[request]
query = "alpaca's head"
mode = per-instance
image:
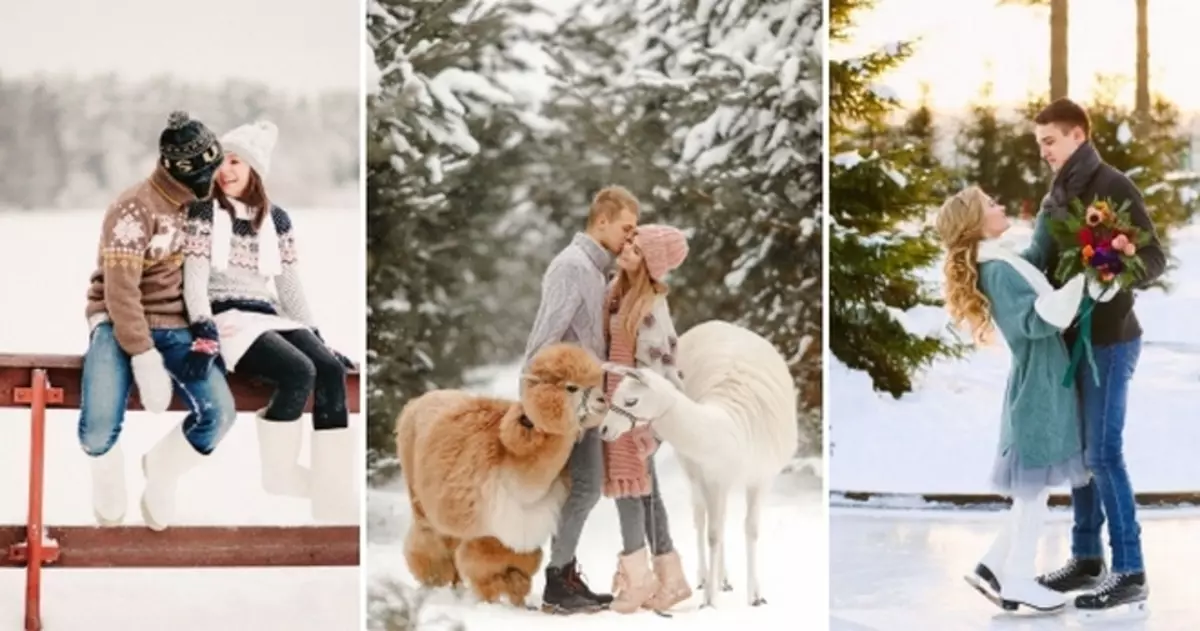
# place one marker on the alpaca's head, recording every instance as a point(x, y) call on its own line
point(640, 398)
point(563, 389)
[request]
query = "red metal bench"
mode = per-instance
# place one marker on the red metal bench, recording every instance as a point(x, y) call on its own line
point(40, 381)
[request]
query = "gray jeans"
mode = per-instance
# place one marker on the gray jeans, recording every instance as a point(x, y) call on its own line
point(586, 466)
point(645, 517)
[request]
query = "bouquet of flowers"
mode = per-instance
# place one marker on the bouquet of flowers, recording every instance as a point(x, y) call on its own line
point(1100, 241)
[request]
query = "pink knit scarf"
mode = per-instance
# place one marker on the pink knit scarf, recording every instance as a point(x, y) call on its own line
point(625, 471)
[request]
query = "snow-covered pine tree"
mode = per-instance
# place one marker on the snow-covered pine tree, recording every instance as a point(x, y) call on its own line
point(710, 113)
point(878, 236)
point(433, 205)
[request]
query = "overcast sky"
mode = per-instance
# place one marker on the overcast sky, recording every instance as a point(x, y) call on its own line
point(302, 46)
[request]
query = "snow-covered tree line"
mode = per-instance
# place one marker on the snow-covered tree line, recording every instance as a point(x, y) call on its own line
point(75, 142)
point(491, 125)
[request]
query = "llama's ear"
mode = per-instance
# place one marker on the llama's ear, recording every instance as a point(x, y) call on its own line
point(528, 378)
point(636, 375)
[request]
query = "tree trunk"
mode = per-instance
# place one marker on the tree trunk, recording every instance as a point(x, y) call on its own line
point(1058, 49)
point(1143, 60)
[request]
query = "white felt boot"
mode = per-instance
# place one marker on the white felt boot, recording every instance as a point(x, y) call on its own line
point(163, 465)
point(335, 476)
point(109, 496)
point(278, 449)
point(1018, 582)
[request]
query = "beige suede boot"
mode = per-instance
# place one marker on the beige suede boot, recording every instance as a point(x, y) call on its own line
point(634, 582)
point(672, 584)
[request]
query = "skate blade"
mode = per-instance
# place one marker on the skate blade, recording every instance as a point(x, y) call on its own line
point(1120, 613)
point(978, 585)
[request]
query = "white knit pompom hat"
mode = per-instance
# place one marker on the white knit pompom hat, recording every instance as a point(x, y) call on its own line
point(253, 143)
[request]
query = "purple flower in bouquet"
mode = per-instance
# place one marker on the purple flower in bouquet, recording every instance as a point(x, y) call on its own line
point(1108, 260)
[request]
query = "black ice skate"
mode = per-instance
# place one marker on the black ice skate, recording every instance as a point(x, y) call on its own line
point(1076, 575)
point(567, 593)
point(1118, 594)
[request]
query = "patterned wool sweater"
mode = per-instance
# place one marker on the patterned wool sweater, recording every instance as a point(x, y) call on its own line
point(240, 285)
point(138, 282)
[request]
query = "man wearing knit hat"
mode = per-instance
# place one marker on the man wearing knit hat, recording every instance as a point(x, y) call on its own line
point(139, 331)
point(571, 310)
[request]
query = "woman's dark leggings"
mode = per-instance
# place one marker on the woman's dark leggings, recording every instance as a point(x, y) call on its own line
point(299, 364)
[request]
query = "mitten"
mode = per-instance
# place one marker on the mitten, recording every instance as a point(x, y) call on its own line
point(346, 362)
point(206, 346)
point(1060, 306)
point(153, 381)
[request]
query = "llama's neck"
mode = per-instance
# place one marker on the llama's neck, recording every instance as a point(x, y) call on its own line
point(695, 430)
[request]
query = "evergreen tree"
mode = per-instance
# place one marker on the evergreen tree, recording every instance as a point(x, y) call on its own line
point(1152, 154)
point(431, 218)
point(1002, 156)
point(878, 241)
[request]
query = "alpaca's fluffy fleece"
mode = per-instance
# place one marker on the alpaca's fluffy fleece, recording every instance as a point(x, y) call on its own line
point(486, 477)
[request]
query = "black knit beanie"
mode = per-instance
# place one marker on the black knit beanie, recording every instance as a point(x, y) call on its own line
point(190, 152)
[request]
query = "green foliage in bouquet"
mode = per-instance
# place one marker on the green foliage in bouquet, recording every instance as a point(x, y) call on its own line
point(1099, 240)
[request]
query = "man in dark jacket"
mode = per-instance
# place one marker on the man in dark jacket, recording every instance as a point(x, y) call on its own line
point(1063, 133)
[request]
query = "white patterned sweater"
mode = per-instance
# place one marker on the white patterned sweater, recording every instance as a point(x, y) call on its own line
point(240, 284)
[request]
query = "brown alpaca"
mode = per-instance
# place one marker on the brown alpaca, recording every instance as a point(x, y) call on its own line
point(486, 477)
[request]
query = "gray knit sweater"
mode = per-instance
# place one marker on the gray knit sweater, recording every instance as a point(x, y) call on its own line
point(572, 307)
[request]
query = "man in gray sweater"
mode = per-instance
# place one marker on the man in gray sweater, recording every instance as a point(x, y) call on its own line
point(572, 310)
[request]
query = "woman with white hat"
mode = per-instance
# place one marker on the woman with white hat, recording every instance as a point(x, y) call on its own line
point(238, 245)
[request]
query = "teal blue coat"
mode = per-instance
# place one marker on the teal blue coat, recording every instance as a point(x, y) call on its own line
point(1041, 416)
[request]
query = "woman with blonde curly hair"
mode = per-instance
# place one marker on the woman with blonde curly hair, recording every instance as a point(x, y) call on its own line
point(989, 287)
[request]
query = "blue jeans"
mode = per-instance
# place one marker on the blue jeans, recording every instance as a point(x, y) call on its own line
point(108, 376)
point(1109, 494)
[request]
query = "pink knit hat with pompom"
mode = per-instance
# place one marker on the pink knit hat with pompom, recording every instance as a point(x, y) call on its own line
point(663, 248)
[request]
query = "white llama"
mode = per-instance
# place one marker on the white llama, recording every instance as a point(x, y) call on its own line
point(733, 426)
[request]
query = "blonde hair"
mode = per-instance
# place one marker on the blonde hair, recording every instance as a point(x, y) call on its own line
point(610, 201)
point(960, 227)
point(636, 293)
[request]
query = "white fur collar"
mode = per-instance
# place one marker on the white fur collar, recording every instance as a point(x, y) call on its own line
point(998, 250)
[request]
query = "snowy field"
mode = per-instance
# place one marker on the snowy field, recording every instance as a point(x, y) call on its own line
point(50, 255)
point(941, 438)
point(792, 558)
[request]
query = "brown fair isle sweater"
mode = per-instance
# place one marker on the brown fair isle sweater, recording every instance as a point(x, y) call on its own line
point(138, 285)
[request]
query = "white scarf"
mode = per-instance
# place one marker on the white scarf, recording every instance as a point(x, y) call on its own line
point(998, 250)
point(270, 264)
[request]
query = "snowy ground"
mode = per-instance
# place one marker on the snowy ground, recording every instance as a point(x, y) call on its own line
point(941, 438)
point(59, 251)
point(894, 570)
point(792, 555)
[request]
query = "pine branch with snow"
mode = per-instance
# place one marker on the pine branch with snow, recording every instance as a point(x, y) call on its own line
point(880, 196)
point(439, 120)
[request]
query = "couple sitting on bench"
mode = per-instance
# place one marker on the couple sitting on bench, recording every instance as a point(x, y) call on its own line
point(182, 294)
